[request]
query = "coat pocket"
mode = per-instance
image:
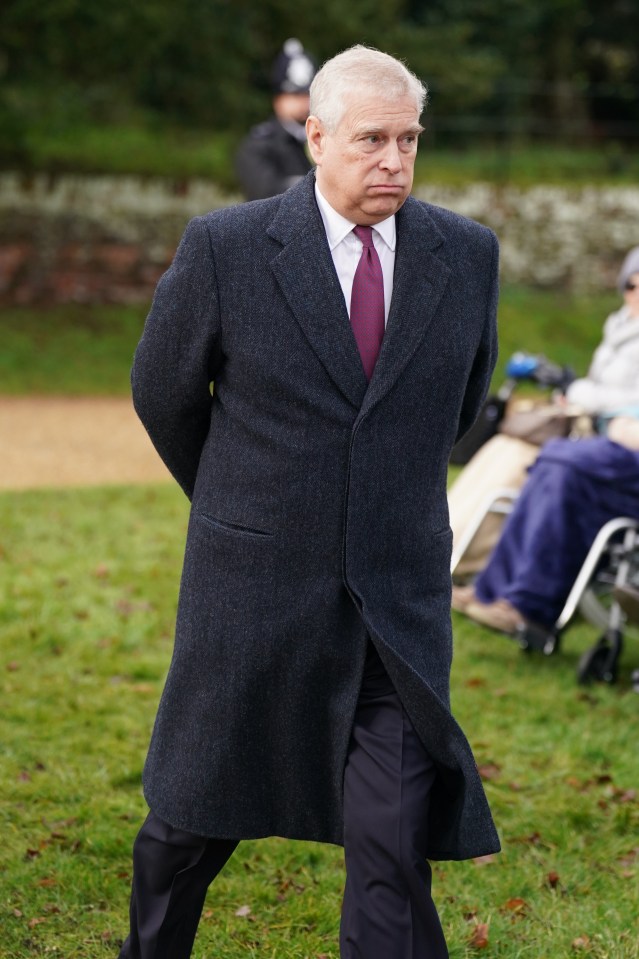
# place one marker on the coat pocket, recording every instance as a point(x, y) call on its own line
point(234, 529)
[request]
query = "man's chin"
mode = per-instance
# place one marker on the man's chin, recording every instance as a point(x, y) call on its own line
point(384, 205)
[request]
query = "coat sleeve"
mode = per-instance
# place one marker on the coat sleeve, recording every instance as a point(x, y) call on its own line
point(178, 356)
point(486, 355)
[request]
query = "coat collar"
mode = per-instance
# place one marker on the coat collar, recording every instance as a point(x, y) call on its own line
point(305, 272)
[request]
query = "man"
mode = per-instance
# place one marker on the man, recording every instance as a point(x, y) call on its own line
point(308, 696)
point(273, 156)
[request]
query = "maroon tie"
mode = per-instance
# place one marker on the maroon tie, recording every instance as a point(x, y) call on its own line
point(367, 301)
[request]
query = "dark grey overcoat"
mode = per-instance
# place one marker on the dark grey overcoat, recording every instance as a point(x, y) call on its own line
point(319, 512)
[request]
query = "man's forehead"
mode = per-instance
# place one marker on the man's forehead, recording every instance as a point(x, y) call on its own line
point(368, 113)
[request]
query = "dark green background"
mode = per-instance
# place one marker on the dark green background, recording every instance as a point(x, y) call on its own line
point(497, 69)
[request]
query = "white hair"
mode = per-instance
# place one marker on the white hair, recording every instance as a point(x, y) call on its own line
point(366, 69)
point(629, 266)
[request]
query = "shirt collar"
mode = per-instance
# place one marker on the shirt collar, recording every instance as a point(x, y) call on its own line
point(338, 227)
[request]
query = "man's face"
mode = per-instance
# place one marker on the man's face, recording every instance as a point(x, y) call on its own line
point(291, 106)
point(365, 168)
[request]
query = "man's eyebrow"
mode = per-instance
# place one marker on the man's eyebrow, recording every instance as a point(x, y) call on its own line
point(367, 131)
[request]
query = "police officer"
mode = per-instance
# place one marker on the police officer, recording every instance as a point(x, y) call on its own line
point(273, 157)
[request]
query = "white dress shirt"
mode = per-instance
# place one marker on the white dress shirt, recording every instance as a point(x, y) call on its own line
point(346, 249)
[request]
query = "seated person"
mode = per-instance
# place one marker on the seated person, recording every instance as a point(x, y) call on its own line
point(613, 378)
point(612, 383)
point(572, 490)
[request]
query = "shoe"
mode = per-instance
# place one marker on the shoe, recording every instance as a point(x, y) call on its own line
point(500, 615)
point(628, 598)
point(461, 597)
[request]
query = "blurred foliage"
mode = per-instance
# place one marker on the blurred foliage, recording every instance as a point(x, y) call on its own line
point(496, 68)
point(180, 154)
point(136, 149)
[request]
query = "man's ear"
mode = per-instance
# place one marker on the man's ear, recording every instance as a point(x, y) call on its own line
point(315, 137)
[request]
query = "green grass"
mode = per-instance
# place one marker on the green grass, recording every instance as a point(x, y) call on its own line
point(88, 585)
point(564, 327)
point(135, 149)
point(147, 148)
point(526, 165)
point(71, 350)
point(77, 350)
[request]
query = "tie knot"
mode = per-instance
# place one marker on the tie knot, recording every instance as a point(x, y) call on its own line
point(365, 234)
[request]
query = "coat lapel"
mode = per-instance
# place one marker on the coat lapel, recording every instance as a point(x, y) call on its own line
point(419, 281)
point(305, 272)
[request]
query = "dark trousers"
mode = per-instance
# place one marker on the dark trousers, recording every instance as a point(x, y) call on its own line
point(387, 912)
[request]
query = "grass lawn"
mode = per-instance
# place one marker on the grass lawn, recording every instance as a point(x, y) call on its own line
point(88, 586)
point(88, 589)
point(78, 350)
point(68, 350)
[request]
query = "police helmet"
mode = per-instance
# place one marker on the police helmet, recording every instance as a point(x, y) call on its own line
point(293, 69)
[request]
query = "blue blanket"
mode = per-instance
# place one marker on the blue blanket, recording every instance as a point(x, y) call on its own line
point(574, 487)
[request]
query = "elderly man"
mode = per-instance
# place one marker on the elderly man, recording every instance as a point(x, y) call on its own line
point(349, 332)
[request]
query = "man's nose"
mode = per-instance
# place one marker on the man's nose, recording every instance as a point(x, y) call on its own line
point(391, 159)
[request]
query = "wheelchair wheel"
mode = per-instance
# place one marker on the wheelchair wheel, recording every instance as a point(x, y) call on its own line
point(597, 599)
point(595, 603)
point(598, 664)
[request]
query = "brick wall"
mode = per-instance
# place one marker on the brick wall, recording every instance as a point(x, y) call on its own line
point(96, 271)
point(92, 239)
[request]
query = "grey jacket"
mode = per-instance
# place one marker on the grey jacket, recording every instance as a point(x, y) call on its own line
point(319, 513)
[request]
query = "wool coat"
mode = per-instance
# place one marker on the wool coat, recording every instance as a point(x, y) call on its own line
point(319, 517)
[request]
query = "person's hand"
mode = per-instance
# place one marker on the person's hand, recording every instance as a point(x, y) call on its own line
point(624, 430)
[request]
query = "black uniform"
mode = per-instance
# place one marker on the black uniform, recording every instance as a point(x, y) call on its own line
point(270, 160)
point(273, 157)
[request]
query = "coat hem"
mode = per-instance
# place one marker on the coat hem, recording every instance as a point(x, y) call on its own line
point(435, 854)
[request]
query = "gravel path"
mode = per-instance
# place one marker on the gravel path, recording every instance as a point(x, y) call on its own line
point(50, 441)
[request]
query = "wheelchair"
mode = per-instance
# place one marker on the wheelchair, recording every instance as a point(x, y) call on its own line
point(520, 368)
point(611, 562)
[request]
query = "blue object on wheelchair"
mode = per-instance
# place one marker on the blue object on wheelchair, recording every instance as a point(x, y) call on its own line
point(538, 369)
point(521, 366)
